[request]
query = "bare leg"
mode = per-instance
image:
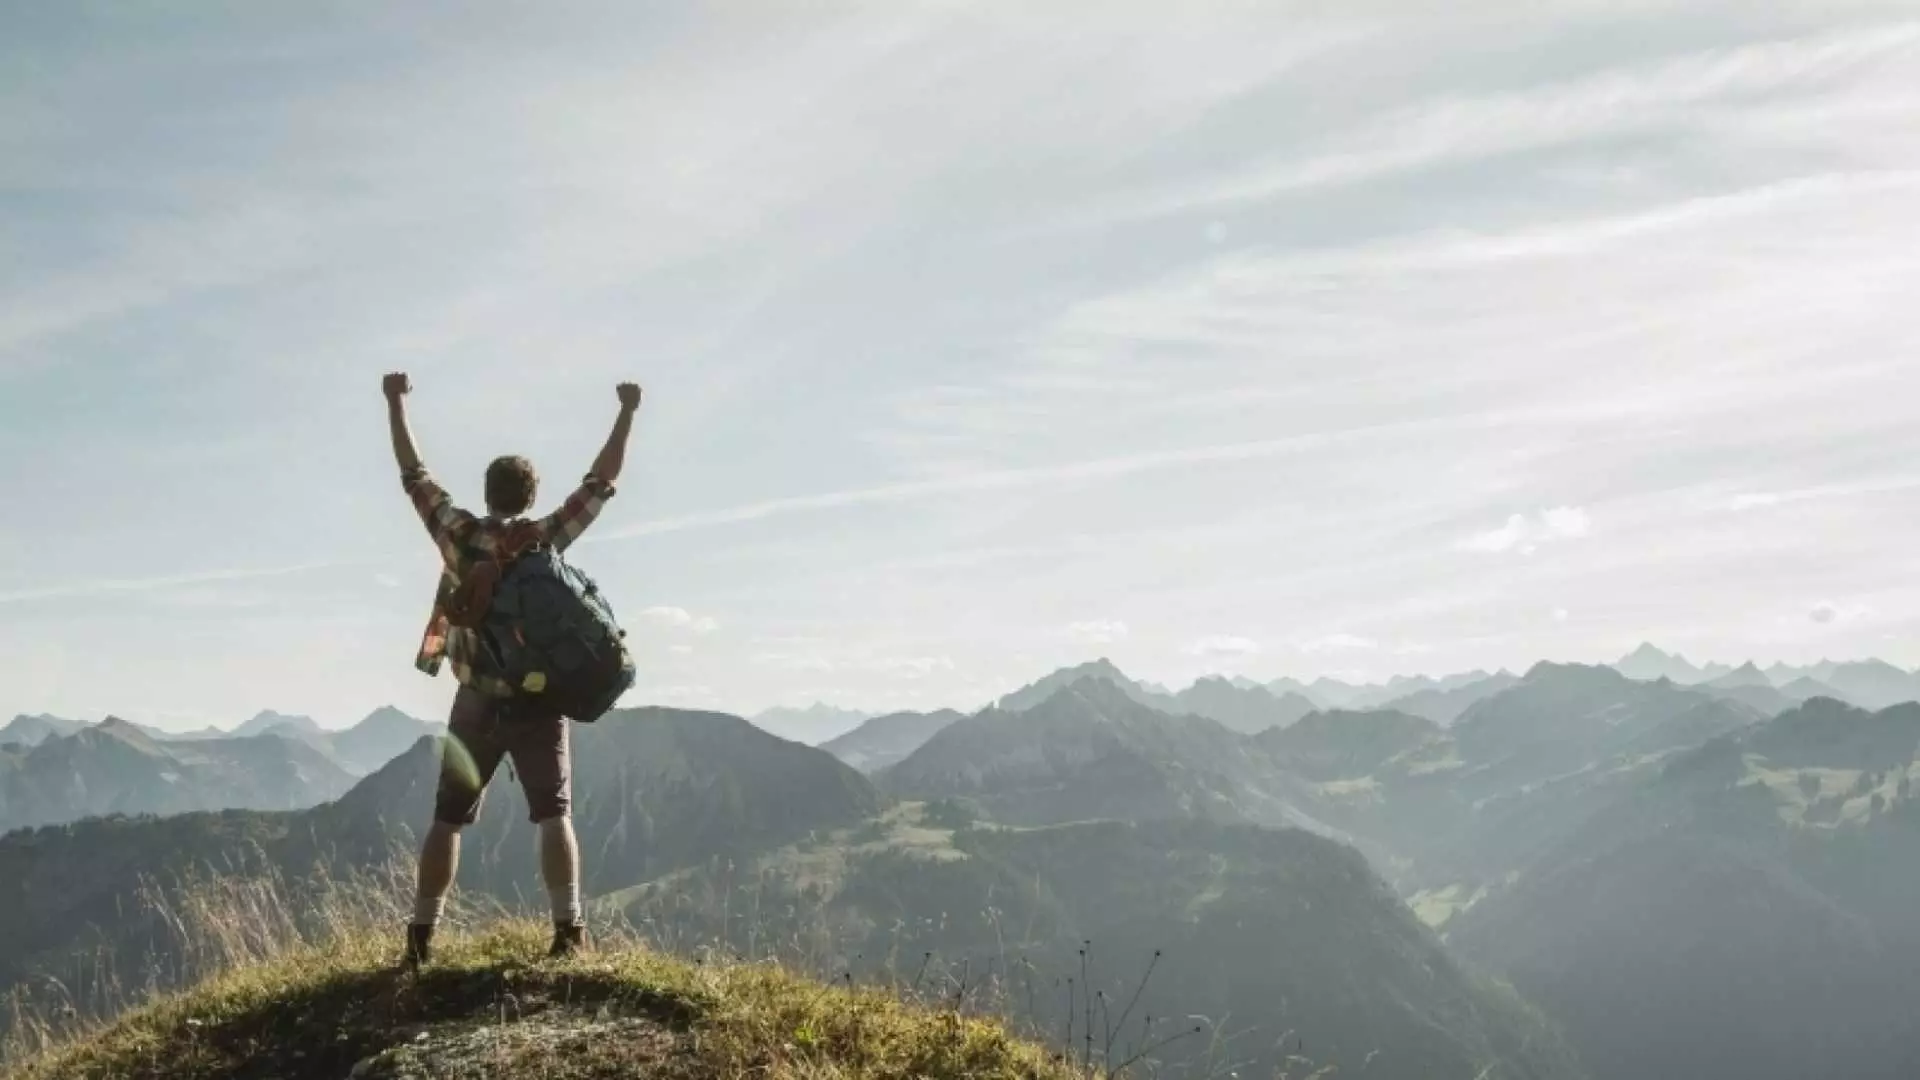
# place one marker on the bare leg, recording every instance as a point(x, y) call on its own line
point(439, 859)
point(560, 869)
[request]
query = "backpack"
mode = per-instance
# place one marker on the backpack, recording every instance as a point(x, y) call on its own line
point(546, 629)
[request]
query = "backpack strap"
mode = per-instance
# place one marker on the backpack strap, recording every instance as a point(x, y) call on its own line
point(468, 605)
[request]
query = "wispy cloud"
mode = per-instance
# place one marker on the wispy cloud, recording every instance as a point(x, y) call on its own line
point(1827, 613)
point(679, 618)
point(1098, 631)
point(1526, 534)
point(1762, 500)
point(1223, 646)
point(1662, 96)
point(1336, 643)
point(106, 586)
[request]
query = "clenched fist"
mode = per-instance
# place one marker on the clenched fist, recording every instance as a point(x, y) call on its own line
point(396, 384)
point(629, 395)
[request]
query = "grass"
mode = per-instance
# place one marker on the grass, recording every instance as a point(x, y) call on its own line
point(489, 1007)
point(252, 975)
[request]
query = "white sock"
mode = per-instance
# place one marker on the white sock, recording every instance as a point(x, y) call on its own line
point(565, 901)
point(428, 909)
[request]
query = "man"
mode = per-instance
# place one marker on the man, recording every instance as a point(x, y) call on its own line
point(478, 732)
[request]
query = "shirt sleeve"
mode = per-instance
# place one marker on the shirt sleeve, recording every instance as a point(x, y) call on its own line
point(562, 527)
point(445, 522)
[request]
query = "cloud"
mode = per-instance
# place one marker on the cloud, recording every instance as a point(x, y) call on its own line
point(1763, 500)
point(1332, 643)
point(1827, 613)
point(684, 693)
point(1526, 534)
point(796, 661)
point(1223, 645)
point(912, 667)
point(1461, 129)
point(1010, 479)
point(678, 618)
point(680, 650)
point(862, 661)
point(1098, 631)
point(124, 585)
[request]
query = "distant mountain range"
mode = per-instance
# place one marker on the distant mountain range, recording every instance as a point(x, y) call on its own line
point(813, 725)
point(1871, 684)
point(702, 827)
point(1285, 947)
point(54, 770)
point(115, 768)
point(1747, 911)
point(1092, 750)
point(1235, 704)
point(655, 791)
point(366, 746)
point(1687, 870)
point(887, 740)
point(26, 730)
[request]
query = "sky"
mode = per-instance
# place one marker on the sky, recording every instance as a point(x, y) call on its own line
point(978, 339)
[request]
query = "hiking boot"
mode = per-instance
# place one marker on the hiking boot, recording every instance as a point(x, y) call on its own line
point(567, 941)
point(419, 945)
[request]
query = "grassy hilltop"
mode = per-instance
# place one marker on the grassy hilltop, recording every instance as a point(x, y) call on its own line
point(490, 1008)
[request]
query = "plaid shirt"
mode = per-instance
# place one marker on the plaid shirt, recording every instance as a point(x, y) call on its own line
point(464, 540)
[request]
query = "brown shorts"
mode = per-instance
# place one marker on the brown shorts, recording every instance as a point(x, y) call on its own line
point(479, 736)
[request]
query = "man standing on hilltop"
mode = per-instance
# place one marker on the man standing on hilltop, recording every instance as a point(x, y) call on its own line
point(479, 731)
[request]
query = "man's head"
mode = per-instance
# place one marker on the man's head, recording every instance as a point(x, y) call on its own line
point(511, 485)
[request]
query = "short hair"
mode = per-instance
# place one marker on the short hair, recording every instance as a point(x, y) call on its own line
point(511, 484)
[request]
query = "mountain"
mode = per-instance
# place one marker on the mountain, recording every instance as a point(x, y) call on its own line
point(1746, 911)
point(1240, 705)
point(1285, 686)
point(653, 789)
point(813, 725)
point(1243, 708)
point(1806, 688)
point(33, 730)
point(1448, 813)
point(1649, 664)
point(1747, 674)
point(1091, 751)
point(1752, 687)
point(114, 768)
point(1329, 693)
point(1289, 942)
point(385, 734)
point(887, 740)
point(206, 732)
point(1563, 717)
point(1334, 745)
point(1101, 670)
point(268, 720)
point(656, 790)
point(1765, 700)
point(1443, 705)
point(1872, 684)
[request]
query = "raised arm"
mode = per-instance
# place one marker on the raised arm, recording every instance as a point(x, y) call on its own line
point(582, 508)
point(405, 453)
point(445, 522)
point(614, 454)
